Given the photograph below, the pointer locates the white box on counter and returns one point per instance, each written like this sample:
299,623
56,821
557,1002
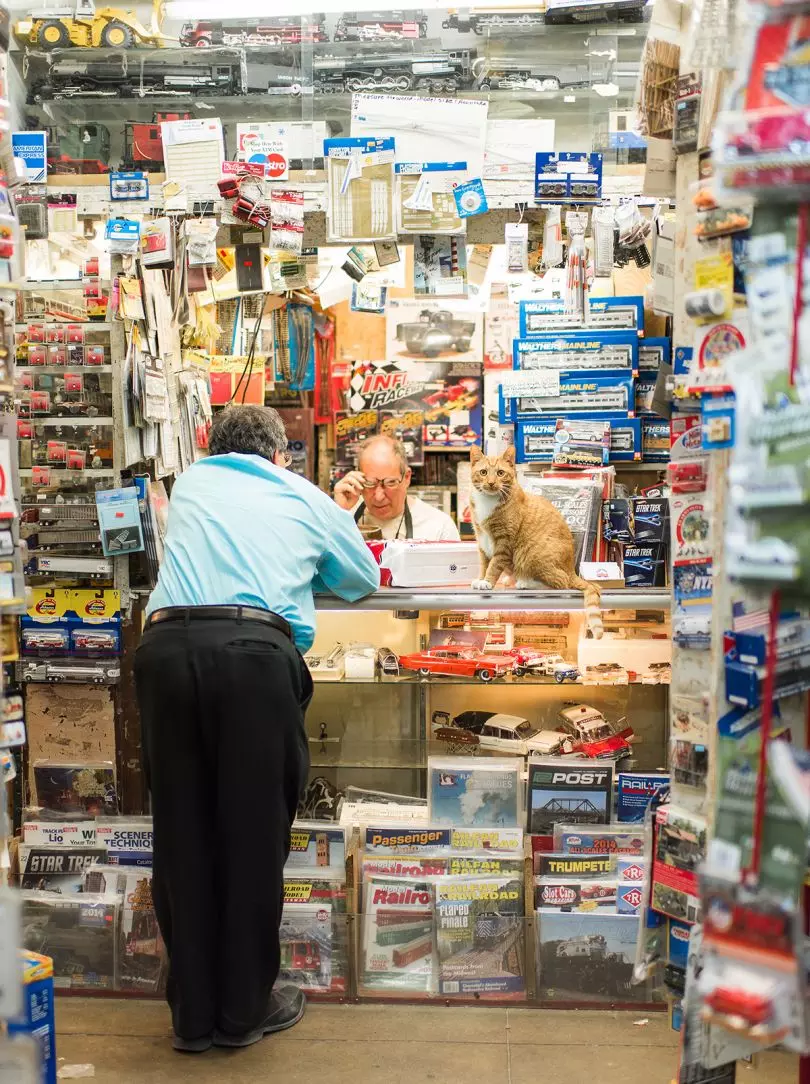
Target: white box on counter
428,564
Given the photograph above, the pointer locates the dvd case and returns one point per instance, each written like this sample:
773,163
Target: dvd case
73,789
479,937
41,832
125,837
78,933
398,935
462,793
587,956
567,792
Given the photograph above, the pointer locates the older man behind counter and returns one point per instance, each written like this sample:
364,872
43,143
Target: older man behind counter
377,496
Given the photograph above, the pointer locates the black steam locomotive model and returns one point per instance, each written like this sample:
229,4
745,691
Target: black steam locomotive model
435,72
381,25
113,78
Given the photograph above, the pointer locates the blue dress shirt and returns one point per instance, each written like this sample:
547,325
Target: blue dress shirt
244,532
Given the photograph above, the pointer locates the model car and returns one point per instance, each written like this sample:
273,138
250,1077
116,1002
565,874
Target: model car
96,640
529,661
497,732
435,333
741,1010
57,27
597,892
592,735
387,662
45,640
779,133
457,660
657,673
606,673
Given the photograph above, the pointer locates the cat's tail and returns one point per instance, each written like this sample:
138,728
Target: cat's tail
593,610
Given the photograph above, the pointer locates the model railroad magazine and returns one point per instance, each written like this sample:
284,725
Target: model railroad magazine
479,937
398,935
314,932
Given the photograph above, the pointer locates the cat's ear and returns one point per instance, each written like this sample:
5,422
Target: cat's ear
509,454
475,454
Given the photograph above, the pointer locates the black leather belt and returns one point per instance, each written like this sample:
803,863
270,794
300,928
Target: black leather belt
220,613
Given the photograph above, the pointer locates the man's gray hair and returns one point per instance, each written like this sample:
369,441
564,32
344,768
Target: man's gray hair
395,446
251,430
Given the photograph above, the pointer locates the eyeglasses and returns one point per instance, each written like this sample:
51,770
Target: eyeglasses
386,483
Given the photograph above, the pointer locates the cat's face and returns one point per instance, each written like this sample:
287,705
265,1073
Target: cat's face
493,474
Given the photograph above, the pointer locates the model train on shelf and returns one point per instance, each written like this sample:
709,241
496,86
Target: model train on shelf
445,71
280,30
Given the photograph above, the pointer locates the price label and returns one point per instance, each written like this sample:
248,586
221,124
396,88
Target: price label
535,382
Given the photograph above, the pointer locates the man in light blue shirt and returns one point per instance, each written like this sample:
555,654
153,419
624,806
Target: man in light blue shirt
222,691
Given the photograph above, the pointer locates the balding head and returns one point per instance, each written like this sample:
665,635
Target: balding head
380,459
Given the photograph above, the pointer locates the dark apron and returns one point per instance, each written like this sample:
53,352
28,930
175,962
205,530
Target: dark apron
408,518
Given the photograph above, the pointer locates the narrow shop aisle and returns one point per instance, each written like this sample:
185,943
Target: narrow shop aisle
128,1041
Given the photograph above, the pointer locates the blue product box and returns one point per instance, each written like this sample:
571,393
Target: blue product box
678,942
650,519
584,350
607,393
652,353
645,392
568,177
655,440
646,565
37,1017
534,441
683,360
349,145
542,315
628,898
635,791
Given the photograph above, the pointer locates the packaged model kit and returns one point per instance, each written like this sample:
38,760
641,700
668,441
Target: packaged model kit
652,353
577,350
608,393
479,937
55,868
542,315
79,933
534,440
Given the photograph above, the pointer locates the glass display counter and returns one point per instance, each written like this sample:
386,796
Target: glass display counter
384,701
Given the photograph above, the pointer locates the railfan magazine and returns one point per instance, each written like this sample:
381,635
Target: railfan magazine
398,935
485,794
479,937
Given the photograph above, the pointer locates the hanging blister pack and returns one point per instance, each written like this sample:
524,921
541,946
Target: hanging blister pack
516,236
426,202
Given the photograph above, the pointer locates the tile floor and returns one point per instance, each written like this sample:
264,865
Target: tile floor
128,1043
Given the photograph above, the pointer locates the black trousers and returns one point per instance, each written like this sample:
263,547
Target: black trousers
225,754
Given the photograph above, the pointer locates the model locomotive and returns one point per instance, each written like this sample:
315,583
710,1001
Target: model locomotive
278,30
436,72
380,25
110,78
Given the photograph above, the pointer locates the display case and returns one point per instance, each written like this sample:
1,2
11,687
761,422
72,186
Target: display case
374,725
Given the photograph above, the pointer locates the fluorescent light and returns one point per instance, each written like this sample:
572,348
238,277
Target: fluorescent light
246,9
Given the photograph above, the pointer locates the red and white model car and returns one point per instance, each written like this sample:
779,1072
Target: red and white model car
529,661
591,735
744,1012
457,660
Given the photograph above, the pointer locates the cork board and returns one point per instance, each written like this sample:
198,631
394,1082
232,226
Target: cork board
69,724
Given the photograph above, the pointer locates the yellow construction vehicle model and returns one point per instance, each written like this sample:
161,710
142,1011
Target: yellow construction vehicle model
58,27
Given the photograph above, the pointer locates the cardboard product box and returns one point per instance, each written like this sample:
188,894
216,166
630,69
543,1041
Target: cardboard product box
650,520
645,565
37,1017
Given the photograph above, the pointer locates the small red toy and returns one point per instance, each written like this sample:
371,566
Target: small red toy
457,659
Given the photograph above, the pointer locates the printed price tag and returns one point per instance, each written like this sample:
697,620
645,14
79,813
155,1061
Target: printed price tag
531,382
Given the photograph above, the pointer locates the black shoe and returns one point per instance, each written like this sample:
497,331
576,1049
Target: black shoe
287,1006
192,1046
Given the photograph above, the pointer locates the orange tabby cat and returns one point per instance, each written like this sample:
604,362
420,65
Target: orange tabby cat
524,535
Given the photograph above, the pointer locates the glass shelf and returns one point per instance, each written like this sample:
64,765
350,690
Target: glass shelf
452,598
508,680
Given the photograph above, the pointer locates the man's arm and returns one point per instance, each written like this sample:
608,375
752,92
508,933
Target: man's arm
347,568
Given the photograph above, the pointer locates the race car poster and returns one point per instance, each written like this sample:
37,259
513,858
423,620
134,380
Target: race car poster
423,328
447,395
